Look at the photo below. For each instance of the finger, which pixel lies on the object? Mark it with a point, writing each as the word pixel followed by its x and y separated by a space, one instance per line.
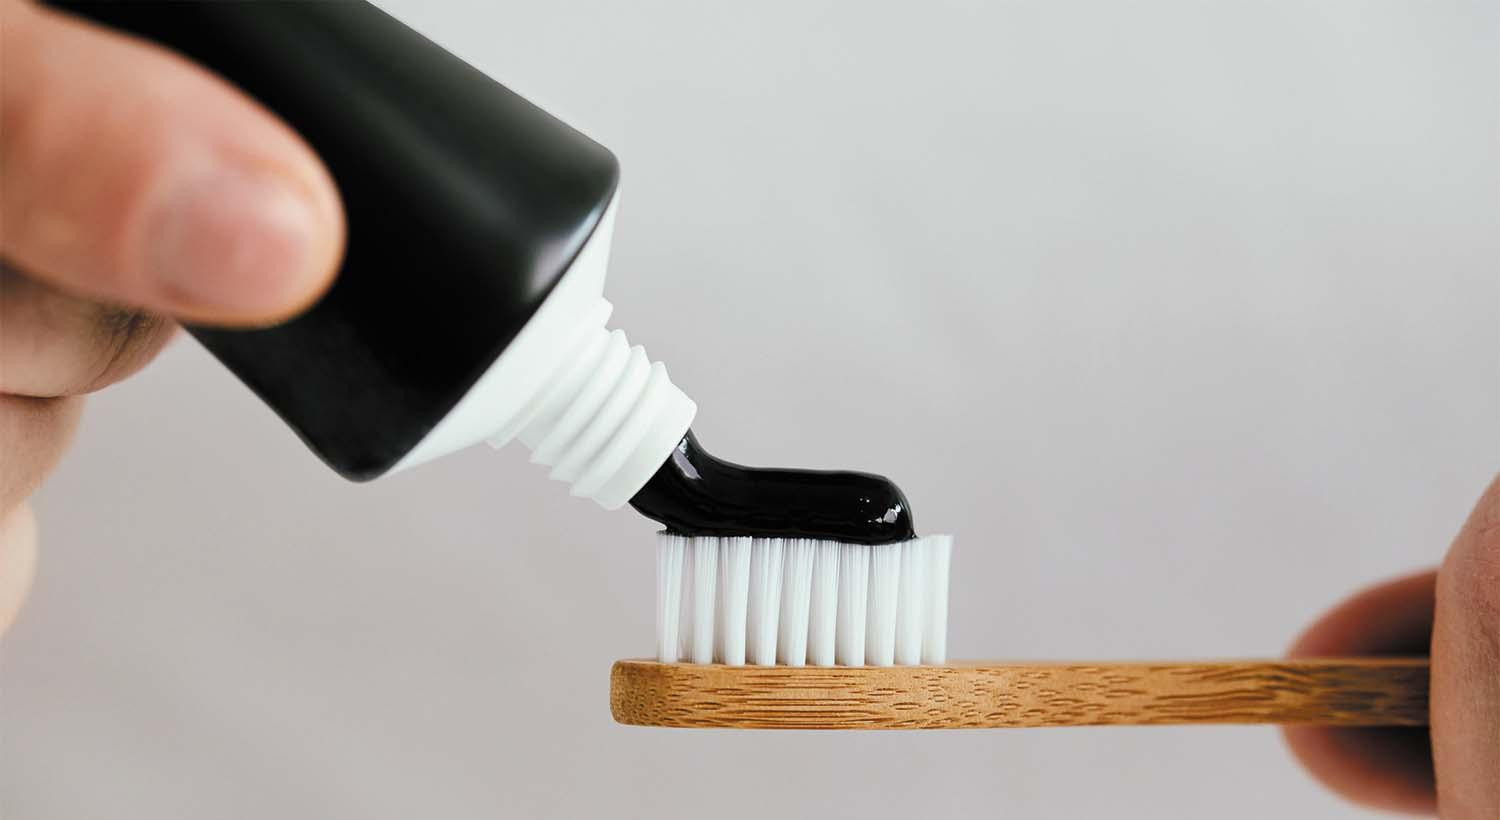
pixel 55 344
pixel 1392 618
pixel 17 562
pixel 134 177
pixel 1382 768
pixel 33 435
pixel 1466 668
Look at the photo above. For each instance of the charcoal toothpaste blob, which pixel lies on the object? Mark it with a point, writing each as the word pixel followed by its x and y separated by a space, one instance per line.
pixel 470 304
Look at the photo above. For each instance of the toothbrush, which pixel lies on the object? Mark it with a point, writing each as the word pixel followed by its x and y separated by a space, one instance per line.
pixel 771 633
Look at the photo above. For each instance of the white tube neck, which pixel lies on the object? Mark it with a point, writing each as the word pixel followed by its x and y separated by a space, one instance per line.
pixel 588 405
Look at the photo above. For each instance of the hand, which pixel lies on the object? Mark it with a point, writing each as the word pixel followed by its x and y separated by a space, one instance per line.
pixel 136 186
pixel 1455 611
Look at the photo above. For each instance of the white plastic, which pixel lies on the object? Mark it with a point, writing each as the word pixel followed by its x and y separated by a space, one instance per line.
pixel 591 407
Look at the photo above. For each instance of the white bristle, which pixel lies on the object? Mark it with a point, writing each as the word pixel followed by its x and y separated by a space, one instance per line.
pixel 705 578
pixel 885 577
pixel 797 601
pixel 669 549
pixel 734 595
pixel 685 611
pixel 796 592
pixel 765 601
pixel 854 584
pixel 935 637
pixel 911 602
pixel 823 606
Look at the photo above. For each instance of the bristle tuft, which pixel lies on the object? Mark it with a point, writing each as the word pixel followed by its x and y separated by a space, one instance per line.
pixel 734 593
pixel 797 601
pixel 704 587
pixel 880 623
pixel 669 552
pixel 935 636
pixel 823 608
pixel 765 601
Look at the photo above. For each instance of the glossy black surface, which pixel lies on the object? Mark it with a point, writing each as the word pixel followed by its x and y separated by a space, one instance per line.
pixel 694 493
pixel 465 204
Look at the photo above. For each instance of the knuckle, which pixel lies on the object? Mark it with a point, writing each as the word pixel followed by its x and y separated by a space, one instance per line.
pixel 55 344
pixel 125 340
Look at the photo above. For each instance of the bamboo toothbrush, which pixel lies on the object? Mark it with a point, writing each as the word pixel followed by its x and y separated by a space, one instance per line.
pixel 852 636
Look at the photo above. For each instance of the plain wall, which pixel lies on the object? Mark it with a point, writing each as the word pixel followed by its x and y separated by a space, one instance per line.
pixel 1183 316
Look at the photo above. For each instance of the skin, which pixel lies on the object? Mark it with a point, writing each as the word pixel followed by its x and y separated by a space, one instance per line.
pixel 1455 614
pixel 139 189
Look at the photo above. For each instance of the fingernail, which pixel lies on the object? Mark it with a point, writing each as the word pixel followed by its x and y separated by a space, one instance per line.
pixel 234 243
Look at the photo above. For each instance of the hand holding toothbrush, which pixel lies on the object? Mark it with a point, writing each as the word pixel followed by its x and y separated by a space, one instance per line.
pixel 1455 612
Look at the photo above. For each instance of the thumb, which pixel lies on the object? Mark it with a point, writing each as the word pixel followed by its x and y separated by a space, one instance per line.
pixel 1466 668
pixel 135 177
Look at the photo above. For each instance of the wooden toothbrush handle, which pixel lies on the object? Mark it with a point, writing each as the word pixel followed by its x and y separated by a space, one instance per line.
pixel 1325 691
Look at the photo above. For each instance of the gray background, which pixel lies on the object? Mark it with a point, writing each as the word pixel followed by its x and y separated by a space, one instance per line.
pixel 1183 316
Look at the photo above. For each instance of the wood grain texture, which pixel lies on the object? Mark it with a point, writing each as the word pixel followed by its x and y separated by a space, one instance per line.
pixel 1333 692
